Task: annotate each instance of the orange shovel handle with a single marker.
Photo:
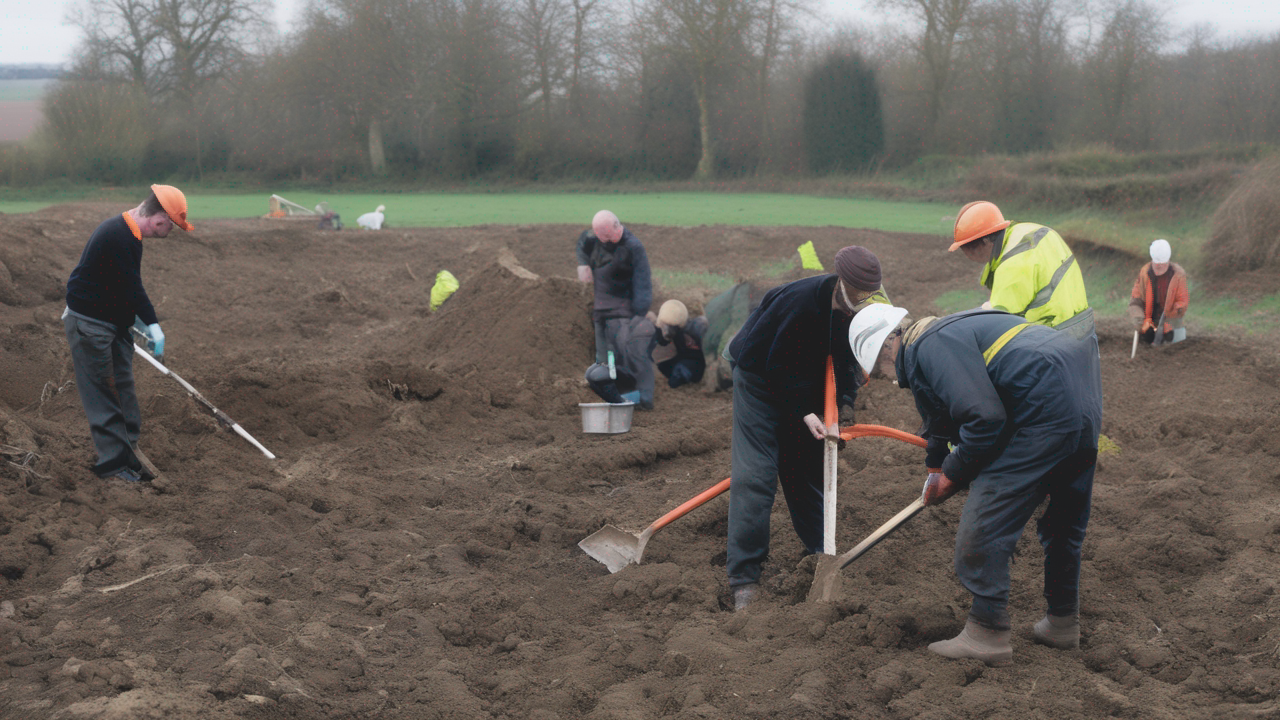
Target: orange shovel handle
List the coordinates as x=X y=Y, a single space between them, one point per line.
x=680 y=512
x=860 y=430
x=849 y=433
x=830 y=412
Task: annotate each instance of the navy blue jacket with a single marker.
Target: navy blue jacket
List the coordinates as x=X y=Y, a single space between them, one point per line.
x=623 y=288
x=786 y=341
x=985 y=381
x=107 y=283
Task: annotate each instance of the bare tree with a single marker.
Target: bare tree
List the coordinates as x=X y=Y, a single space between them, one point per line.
x=942 y=25
x=120 y=40
x=169 y=47
x=775 y=27
x=542 y=31
x=709 y=33
x=1121 y=62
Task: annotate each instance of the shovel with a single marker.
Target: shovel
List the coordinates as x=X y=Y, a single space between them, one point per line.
x=618 y=548
x=221 y=416
x=827 y=574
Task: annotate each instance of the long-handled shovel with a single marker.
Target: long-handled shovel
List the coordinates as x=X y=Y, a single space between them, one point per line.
x=829 y=567
x=200 y=398
x=826 y=575
x=618 y=548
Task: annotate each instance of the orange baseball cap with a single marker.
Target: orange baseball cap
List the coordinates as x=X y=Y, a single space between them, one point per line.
x=174 y=204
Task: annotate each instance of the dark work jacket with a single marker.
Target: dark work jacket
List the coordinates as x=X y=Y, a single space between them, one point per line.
x=107 y=283
x=687 y=341
x=982 y=377
x=786 y=341
x=620 y=270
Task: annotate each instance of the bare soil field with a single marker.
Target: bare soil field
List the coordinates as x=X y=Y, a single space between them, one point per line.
x=412 y=552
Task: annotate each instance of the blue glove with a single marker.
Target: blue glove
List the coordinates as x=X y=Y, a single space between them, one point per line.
x=157 y=339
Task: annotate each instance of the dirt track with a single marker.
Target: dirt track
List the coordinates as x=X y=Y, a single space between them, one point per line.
x=412 y=552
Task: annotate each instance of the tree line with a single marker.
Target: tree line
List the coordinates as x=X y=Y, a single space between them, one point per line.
x=664 y=89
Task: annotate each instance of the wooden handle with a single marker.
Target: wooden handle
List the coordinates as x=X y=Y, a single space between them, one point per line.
x=680 y=512
x=894 y=523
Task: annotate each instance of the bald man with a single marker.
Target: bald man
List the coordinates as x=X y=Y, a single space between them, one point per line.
x=611 y=258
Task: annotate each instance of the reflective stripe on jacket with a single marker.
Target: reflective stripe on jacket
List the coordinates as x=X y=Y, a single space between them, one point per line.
x=984 y=380
x=1176 y=300
x=1032 y=273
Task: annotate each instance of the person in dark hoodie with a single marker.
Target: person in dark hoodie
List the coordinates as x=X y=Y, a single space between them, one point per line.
x=105 y=297
x=614 y=261
x=1012 y=412
x=779 y=360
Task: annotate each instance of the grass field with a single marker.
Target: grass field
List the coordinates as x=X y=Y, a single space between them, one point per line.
x=671 y=209
x=21 y=90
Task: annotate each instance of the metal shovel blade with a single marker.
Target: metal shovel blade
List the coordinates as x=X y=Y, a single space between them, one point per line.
x=614 y=547
x=827 y=576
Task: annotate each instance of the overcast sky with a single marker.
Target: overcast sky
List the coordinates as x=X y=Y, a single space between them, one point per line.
x=31 y=31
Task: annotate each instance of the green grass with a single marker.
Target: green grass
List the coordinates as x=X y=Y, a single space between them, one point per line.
x=683 y=209
x=21 y=206
x=682 y=280
x=20 y=90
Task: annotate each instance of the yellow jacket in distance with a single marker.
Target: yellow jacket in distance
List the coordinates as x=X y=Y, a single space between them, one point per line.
x=1033 y=274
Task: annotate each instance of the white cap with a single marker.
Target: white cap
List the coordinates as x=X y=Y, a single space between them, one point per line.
x=869 y=329
x=1160 y=251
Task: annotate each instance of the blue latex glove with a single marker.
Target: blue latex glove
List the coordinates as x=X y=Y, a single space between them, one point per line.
x=157 y=339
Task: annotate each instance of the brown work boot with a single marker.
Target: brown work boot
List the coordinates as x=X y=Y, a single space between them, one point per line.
x=990 y=646
x=1058 y=631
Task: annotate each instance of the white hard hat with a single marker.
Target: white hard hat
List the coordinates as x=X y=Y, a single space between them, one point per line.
x=1160 y=251
x=869 y=329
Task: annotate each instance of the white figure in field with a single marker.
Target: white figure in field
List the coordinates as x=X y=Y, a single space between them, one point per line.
x=373 y=220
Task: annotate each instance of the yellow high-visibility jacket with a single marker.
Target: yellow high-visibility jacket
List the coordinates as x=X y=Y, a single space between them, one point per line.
x=1032 y=273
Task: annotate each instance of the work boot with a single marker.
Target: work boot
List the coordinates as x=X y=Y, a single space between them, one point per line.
x=1058 y=631
x=744 y=595
x=975 y=641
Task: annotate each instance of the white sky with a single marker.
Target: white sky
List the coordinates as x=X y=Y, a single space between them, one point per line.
x=31 y=31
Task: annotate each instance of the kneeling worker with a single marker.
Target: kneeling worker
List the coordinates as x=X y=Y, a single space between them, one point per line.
x=779 y=360
x=681 y=337
x=1159 y=300
x=1012 y=412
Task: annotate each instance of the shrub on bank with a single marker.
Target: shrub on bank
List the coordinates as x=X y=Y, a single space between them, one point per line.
x=1245 y=229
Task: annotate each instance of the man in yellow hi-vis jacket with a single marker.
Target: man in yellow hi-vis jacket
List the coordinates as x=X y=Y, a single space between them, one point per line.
x=1028 y=268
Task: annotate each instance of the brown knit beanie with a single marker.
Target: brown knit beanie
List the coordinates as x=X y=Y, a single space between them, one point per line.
x=858 y=268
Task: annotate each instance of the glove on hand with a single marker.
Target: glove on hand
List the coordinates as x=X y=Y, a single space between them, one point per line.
x=937 y=488
x=820 y=431
x=157 y=339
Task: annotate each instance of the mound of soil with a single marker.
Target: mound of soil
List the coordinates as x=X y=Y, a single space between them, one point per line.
x=412 y=552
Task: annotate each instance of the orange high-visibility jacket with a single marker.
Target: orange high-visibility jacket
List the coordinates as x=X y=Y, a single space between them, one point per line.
x=1175 y=301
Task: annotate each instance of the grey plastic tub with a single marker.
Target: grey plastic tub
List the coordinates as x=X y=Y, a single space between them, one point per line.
x=606 y=418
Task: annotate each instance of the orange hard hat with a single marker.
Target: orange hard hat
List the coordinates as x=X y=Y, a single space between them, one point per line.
x=174 y=204
x=976 y=220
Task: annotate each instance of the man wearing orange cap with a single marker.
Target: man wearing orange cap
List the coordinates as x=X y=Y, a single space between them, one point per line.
x=1028 y=268
x=105 y=297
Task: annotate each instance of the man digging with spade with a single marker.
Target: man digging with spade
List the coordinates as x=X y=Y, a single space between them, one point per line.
x=1011 y=412
x=105 y=297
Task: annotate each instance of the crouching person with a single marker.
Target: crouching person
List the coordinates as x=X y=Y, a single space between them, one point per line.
x=631 y=343
x=1159 y=299
x=681 y=359
x=1012 y=412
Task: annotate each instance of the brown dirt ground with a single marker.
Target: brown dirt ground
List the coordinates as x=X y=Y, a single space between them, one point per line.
x=411 y=554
